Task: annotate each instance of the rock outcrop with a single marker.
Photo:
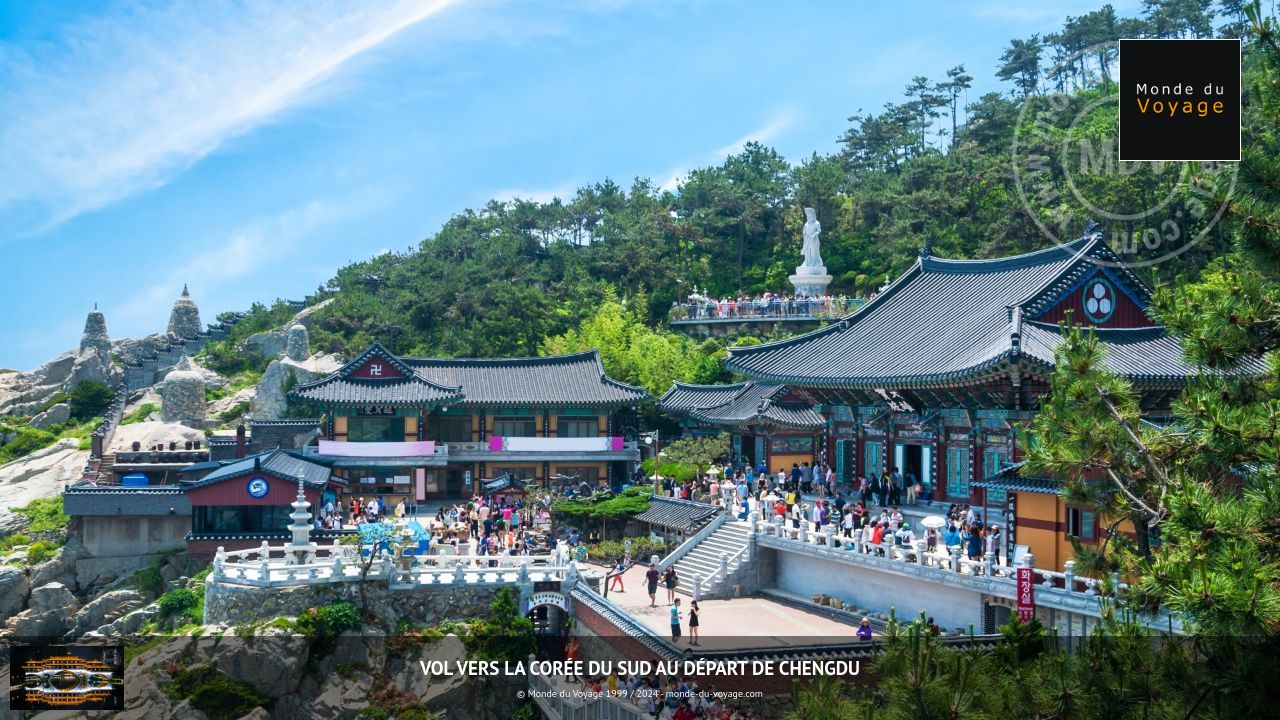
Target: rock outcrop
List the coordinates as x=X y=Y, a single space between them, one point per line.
x=59 y=414
x=38 y=475
x=271 y=399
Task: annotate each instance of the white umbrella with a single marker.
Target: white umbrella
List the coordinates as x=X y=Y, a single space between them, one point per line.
x=934 y=521
x=714 y=471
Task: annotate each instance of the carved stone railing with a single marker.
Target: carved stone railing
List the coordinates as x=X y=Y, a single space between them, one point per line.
x=1064 y=590
x=286 y=566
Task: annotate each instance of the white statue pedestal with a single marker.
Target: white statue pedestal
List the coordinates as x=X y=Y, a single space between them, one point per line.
x=811 y=281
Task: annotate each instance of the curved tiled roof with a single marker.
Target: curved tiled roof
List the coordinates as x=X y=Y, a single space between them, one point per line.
x=954 y=321
x=683 y=397
x=942 y=318
x=280 y=463
x=673 y=513
x=1149 y=354
x=555 y=380
x=755 y=405
x=404 y=391
x=341 y=388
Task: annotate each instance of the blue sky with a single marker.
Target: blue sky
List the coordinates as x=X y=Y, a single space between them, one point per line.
x=252 y=149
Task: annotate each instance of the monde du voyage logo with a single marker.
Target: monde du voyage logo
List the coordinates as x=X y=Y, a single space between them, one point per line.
x=1180 y=100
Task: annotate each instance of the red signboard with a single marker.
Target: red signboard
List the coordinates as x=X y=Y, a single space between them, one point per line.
x=1026 y=595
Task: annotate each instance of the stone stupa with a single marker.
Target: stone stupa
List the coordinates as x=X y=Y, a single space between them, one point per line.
x=184 y=320
x=182 y=395
x=95 y=332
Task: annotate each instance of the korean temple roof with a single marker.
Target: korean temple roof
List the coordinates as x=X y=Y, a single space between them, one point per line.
x=1012 y=478
x=343 y=388
x=280 y=463
x=739 y=405
x=948 y=322
x=673 y=513
x=683 y=397
x=556 y=381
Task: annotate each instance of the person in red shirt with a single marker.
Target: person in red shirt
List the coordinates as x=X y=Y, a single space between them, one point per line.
x=780 y=508
x=683 y=712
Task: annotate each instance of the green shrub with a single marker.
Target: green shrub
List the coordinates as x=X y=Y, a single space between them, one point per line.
x=216 y=695
x=26 y=441
x=41 y=551
x=90 y=398
x=44 y=514
x=13 y=541
x=148 y=579
x=641 y=548
x=328 y=621
x=177 y=601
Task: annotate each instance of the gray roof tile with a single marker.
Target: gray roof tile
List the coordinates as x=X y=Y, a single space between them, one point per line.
x=673 y=513
x=947 y=320
x=276 y=462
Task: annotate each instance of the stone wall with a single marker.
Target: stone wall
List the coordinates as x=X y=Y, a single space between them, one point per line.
x=110 y=537
x=952 y=607
x=238 y=604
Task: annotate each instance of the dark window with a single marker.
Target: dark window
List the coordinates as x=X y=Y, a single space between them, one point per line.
x=375 y=429
x=515 y=426
x=1080 y=523
x=243 y=518
x=449 y=428
x=576 y=427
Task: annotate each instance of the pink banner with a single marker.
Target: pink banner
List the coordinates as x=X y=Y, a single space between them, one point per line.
x=377 y=449
x=562 y=445
x=1026 y=595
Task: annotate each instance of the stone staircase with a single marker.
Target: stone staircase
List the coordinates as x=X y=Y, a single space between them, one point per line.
x=704 y=560
x=108 y=462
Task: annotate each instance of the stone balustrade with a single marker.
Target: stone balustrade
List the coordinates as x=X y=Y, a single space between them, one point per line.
x=1063 y=589
x=296 y=565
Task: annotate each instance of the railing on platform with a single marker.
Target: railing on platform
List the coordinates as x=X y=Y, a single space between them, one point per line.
x=860 y=549
x=774 y=308
x=289 y=565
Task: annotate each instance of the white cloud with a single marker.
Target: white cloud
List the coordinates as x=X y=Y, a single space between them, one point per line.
x=127 y=100
x=772 y=128
x=246 y=251
x=564 y=191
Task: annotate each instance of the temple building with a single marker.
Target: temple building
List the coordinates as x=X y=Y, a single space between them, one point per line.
x=941 y=373
x=418 y=428
x=240 y=504
x=766 y=423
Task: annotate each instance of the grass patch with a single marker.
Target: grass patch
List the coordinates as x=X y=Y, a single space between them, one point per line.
x=41 y=551
x=26 y=441
x=44 y=514
x=133 y=651
x=216 y=695
x=14 y=540
x=140 y=413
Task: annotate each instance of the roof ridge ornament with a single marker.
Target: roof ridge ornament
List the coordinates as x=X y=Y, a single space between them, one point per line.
x=1091 y=227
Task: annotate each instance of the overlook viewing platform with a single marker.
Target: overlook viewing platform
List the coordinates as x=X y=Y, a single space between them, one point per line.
x=709 y=316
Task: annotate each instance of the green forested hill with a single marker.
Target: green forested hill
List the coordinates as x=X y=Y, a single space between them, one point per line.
x=929 y=170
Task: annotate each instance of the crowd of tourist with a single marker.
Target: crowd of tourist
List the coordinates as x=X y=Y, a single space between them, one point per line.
x=786 y=496
x=761 y=306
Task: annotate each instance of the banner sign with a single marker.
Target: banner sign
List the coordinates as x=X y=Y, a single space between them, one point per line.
x=536 y=444
x=377 y=449
x=1026 y=595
